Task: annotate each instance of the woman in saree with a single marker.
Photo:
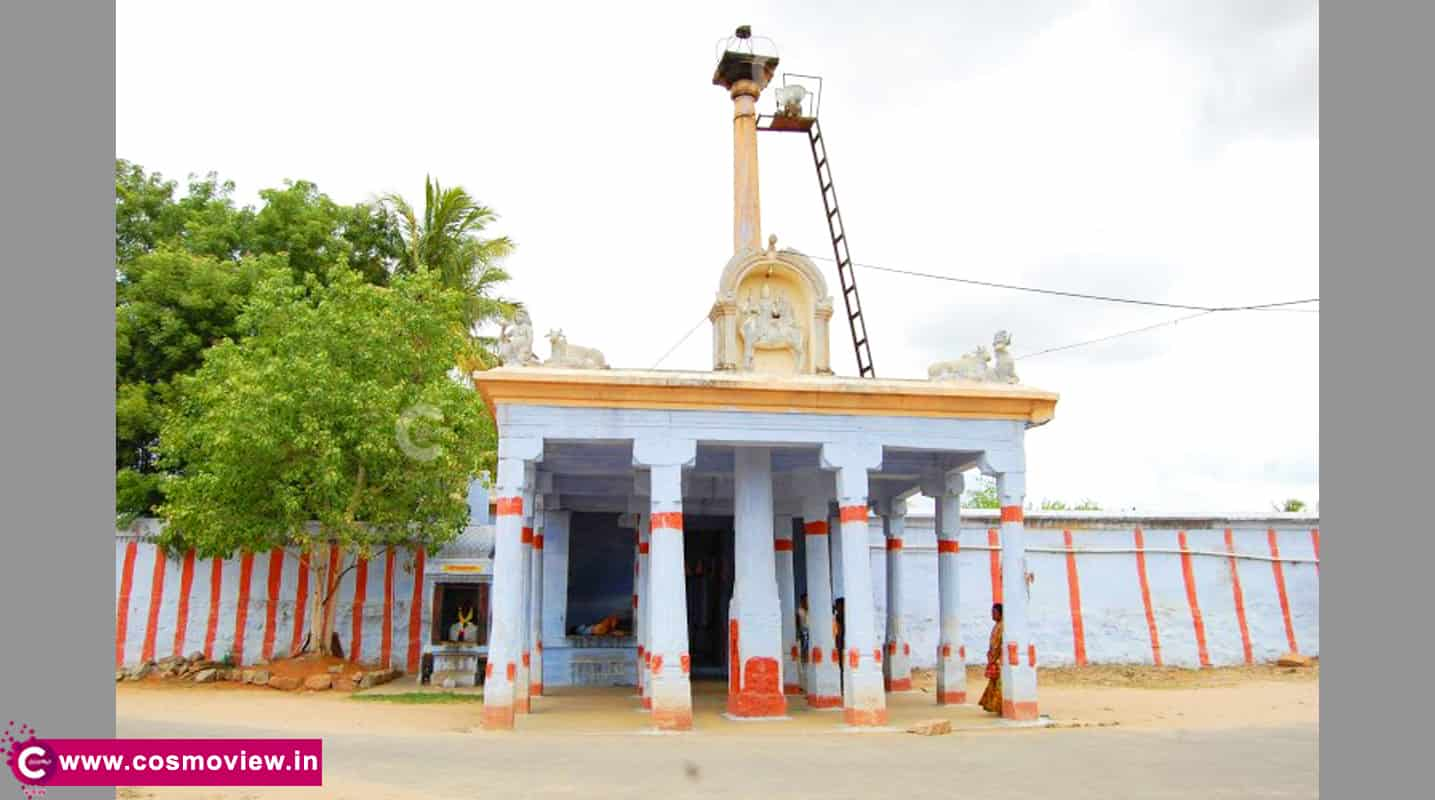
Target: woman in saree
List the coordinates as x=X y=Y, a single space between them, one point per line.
x=992 y=697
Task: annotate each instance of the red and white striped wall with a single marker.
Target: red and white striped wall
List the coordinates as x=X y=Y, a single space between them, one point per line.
x=255 y=606
x=1179 y=592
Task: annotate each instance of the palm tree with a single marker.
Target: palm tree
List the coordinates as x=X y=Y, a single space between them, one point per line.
x=449 y=240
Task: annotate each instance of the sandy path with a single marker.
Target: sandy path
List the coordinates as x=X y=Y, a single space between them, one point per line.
x=1212 y=735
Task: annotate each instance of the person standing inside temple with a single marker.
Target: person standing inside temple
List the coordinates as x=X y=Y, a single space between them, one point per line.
x=804 y=636
x=992 y=697
x=839 y=618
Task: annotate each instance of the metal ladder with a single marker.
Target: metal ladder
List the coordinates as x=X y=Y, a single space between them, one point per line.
x=840 y=254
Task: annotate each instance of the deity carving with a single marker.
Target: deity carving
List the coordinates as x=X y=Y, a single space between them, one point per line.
x=515 y=341
x=769 y=323
x=976 y=365
x=464 y=630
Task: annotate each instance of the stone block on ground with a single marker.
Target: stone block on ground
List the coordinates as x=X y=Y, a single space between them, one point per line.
x=336 y=669
x=195 y=656
x=319 y=682
x=284 y=683
x=931 y=727
x=1293 y=660
x=260 y=677
x=206 y=675
x=246 y=676
x=119 y=675
x=343 y=685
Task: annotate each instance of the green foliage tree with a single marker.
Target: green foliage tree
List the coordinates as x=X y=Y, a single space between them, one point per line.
x=1292 y=505
x=184 y=266
x=983 y=495
x=448 y=239
x=337 y=418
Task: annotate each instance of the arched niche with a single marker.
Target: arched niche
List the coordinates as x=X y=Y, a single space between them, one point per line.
x=779 y=299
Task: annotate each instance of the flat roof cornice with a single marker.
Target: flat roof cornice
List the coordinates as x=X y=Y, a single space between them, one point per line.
x=748 y=391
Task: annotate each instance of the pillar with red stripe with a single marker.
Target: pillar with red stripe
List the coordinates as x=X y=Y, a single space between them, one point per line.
x=864 y=702
x=787 y=599
x=1019 y=657
x=756 y=689
x=505 y=640
x=535 y=587
x=897 y=668
x=642 y=601
x=946 y=490
x=824 y=683
x=523 y=675
x=669 y=662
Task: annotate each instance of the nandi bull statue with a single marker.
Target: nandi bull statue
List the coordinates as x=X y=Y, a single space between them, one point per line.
x=571 y=356
x=975 y=366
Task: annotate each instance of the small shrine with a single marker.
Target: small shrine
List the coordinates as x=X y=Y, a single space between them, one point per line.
x=702 y=490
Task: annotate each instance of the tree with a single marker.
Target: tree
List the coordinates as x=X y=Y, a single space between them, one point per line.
x=448 y=240
x=1292 y=505
x=984 y=495
x=335 y=419
x=184 y=267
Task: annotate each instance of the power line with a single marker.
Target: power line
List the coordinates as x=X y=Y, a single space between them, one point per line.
x=690 y=332
x=1280 y=306
x=1116 y=335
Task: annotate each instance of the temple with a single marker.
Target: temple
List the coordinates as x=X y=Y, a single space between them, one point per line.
x=734 y=481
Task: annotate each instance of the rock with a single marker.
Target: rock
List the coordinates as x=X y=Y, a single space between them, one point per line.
x=367 y=682
x=931 y=727
x=283 y=683
x=119 y=675
x=1293 y=660
x=449 y=683
x=141 y=671
x=206 y=675
x=260 y=677
x=194 y=657
x=319 y=682
x=336 y=669
x=169 y=661
x=343 y=685
x=246 y=676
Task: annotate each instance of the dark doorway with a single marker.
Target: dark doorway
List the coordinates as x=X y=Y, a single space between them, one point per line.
x=708 y=565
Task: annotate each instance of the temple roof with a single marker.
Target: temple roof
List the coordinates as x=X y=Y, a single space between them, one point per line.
x=812 y=394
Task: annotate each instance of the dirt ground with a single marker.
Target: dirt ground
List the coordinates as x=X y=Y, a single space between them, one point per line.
x=580 y=742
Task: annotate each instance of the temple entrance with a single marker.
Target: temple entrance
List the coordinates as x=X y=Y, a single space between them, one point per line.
x=708 y=567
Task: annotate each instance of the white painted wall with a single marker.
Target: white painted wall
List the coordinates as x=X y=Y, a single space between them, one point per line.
x=1112 y=610
x=1111 y=605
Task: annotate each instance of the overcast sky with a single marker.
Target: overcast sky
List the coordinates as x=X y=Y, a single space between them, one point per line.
x=1157 y=150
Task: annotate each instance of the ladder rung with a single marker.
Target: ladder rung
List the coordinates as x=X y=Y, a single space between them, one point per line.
x=831 y=213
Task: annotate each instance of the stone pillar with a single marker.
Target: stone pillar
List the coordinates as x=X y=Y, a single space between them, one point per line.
x=746 y=208
x=757 y=627
x=897 y=674
x=946 y=490
x=824 y=684
x=535 y=615
x=787 y=597
x=669 y=662
x=523 y=676
x=505 y=641
x=642 y=606
x=864 y=702
x=1019 y=658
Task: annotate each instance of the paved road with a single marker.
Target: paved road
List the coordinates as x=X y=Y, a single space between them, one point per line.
x=1068 y=764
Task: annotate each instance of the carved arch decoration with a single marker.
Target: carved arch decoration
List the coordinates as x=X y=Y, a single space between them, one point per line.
x=779 y=300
